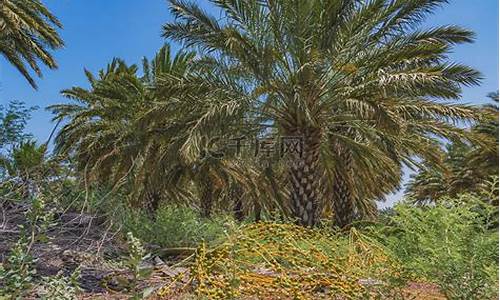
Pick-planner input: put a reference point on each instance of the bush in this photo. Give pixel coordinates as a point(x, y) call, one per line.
point(174, 226)
point(16, 274)
point(60, 287)
point(450, 243)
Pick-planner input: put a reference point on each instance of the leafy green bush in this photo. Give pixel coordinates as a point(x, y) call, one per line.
point(16, 274)
point(60, 287)
point(174, 226)
point(450, 243)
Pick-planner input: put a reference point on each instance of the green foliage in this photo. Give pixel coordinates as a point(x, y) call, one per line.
point(28, 34)
point(133, 132)
point(465, 166)
point(358, 80)
point(60, 287)
point(13, 120)
point(174, 226)
point(135, 264)
point(137, 254)
point(39, 218)
point(26, 163)
point(16, 275)
point(451, 243)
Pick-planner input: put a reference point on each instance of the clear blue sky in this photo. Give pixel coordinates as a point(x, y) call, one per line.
point(95, 31)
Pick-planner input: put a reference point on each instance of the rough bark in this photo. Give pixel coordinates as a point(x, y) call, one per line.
point(257, 210)
point(237, 196)
point(153, 199)
point(207, 195)
point(305, 177)
point(343, 197)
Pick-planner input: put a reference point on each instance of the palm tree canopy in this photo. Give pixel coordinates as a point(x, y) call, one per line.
point(147, 131)
point(28, 33)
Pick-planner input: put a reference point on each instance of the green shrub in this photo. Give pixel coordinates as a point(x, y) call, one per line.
point(450, 243)
point(60, 287)
point(16, 275)
point(174, 226)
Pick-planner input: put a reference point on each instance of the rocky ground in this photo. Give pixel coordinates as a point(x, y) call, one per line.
point(79, 239)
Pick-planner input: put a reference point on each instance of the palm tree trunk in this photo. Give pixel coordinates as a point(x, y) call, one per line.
point(237, 195)
point(342, 190)
point(343, 198)
point(206, 198)
point(152, 203)
point(257, 210)
point(305, 178)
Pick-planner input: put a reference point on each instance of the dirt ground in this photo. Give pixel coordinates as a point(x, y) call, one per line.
point(79, 239)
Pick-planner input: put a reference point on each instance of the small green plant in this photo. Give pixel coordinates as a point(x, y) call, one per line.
point(39, 219)
point(60, 287)
point(16, 275)
point(137, 255)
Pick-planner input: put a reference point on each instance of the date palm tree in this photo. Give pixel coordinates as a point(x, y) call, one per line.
point(26, 165)
point(28, 34)
point(352, 78)
point(105, 132)
point(466, 166)
point(149, 134)
point(484, 156)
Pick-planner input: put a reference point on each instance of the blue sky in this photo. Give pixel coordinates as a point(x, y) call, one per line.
point(95, 31)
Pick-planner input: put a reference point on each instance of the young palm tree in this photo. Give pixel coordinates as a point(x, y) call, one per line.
point(27, 35)
point(27, 164)
point(466, 166)
point(100, 133)
point(484, 156)
point(349, 77)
